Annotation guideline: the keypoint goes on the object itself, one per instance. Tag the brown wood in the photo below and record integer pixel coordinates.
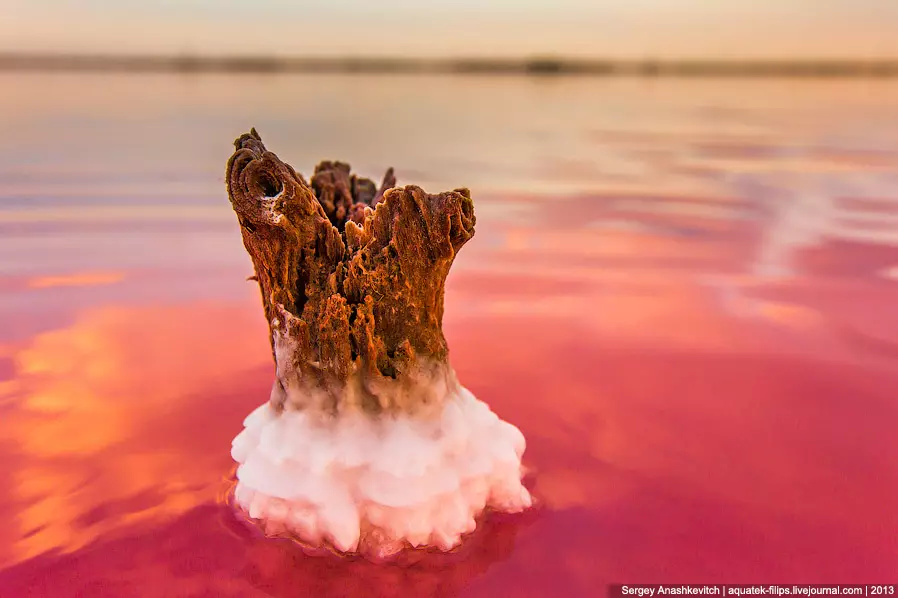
(352, 279)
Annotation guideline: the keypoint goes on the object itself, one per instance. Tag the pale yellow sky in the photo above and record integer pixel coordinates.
(613, 28)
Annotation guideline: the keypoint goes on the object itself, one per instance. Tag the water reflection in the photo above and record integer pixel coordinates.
(97, 414)
(682, 293)
(810, 209)
(206, 552)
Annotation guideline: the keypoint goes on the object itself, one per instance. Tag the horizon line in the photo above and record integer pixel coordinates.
(533, 65)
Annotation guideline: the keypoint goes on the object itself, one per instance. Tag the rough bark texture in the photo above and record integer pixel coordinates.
(352, 280)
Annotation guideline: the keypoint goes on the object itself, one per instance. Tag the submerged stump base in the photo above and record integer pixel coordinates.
(368, 443)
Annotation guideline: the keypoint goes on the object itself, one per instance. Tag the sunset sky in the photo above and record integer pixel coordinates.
(608, 28)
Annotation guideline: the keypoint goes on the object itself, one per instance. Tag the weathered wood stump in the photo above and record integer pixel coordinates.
(352, 280)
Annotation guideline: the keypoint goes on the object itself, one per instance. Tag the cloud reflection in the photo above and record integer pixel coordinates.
(99, 415)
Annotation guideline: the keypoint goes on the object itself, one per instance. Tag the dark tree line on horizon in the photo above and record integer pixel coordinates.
(544, 66)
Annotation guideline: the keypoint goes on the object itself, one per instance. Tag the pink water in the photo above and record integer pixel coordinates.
(683, 293)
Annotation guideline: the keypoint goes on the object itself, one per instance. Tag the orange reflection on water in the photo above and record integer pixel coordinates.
(79, 279)
(89, 425)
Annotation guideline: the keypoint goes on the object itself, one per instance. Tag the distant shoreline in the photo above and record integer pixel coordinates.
(485, 66)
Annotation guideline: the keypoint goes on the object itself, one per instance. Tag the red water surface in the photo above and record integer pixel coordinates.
(691, 315)
(686, 420)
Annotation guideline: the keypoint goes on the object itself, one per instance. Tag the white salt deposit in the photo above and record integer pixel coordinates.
(375, 485)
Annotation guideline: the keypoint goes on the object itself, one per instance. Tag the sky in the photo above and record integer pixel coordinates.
(431, 28)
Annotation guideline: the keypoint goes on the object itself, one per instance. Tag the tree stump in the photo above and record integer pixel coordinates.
(352, 279)
(368, 442)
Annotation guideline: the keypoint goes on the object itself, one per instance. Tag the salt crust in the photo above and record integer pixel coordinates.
(358, 483)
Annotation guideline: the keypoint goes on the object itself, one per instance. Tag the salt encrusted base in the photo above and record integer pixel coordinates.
(376, 485)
